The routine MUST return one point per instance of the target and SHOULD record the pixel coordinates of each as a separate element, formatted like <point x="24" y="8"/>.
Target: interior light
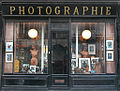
<point x="86" y="34"/>
<point x="32" y="33"/>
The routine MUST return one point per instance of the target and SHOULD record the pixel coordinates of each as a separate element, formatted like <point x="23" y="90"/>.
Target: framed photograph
<point x="9" y="57"/>
<point x="33" y="68"/>
<point x="91" y="49"/>
<point x="95" y="60"/>
<point x="109" y="56"/>
<point x="9" y="46"/>
<point x="109" y="44"/>
<point x="25" y="67"/>
<point x="84" y="63"/>
<point x="73" y="63"/>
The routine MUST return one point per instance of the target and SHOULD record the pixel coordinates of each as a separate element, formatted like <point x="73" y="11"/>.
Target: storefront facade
<point x="60" y="45"/>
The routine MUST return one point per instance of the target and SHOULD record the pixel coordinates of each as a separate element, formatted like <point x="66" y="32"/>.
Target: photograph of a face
<point x="9" y="46"/>
<point x="84" y="63"/>
<point x="109" y="44"/>
<point x="110" y="56"/>
<point x="9" y="57"/>
<point x="91" y="49"/>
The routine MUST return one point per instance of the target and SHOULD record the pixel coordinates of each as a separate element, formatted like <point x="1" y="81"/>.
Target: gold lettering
<point x="101" y="10"/>
<point x="66" y="10"/>
<point x="108" y="10"/>
<point x="12" y="8"/>
<point x="39" y="7"/>
<point x="94" y="10"/>
<point x="30" y="10"/>
<point x="50" y="10"/>
<point x="85" y="9"/>
<point x="57" y="10"/>
<point x="21" y="10"/>
<point x="76" y="11"/>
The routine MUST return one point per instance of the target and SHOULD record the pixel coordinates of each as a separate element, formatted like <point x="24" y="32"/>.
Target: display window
<point x="92" y="47"/>
<point x="26" y="47"/>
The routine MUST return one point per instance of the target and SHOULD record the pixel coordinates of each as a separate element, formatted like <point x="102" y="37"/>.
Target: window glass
<point x="30" y="47"/>
<point x="89" y="54"/>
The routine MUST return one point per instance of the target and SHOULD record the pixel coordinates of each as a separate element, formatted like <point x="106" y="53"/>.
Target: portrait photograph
<point x="109" y="56"/>
<point x="91" y="49"/>
<point x="9" y="46"/>
<point x="9" y="57"/>
<point x="84" y="63"/>
<point x="109" y="44"/>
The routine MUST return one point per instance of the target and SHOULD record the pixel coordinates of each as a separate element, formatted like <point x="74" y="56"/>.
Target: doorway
<point x="59" y="58"/>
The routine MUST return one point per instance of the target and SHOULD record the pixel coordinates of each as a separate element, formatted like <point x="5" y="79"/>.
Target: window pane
<point x="31" y="51"/>
<point x="88" y="51"/>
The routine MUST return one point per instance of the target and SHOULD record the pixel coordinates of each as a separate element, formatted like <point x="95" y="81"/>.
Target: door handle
<point x="49" y="52"/>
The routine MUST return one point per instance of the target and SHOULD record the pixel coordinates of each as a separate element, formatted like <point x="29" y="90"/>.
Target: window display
<point x="88" y="49"/>
<point x="30" y="47"/>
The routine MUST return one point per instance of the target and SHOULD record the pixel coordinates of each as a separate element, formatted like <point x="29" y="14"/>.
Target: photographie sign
<point x="59" y="9"/>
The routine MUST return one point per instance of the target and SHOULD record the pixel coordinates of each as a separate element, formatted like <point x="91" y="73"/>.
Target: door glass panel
<point x="59" y="52"/>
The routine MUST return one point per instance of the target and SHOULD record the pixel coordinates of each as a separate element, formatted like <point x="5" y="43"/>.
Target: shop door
<point x="59" y="58"/>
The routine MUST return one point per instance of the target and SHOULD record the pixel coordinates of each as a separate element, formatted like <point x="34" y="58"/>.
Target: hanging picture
<point x="109" y="44"/>
<point x="9" y="46"/>
<point x="9" y="57"/>
<point x="109" y="56"/>
<point x="91" y="49"/>
<point x="84" y="63"/>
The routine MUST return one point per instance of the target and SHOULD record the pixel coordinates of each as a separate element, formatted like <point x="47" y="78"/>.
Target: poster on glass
<point x="91" y="49"/>
<point x="109" y="56"/>
<point x="9" y="46"/>
<point x="84" y="64"/>
<point x="109" y="44"/>
<point x="9" y="57"/>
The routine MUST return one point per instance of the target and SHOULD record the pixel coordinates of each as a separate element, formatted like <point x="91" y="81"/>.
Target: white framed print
<point x="109" y="56"/>
<point x="91" y="49"/>
<point x="9" y="46"/>
<point x="33" y="68"/>
<point x="95" y="60"/>
<point x="84" y="62"/>
<point x="9" y="57"/>
<point x="73" y="63"/>
<point x="109" y="44"/>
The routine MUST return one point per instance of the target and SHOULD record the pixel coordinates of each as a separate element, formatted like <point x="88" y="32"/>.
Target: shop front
<point x="59" y="46"/>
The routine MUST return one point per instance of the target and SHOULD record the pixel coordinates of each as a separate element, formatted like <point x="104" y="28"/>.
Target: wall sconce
<point x="86" y="34"/>
<point x="32" y="33"/>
